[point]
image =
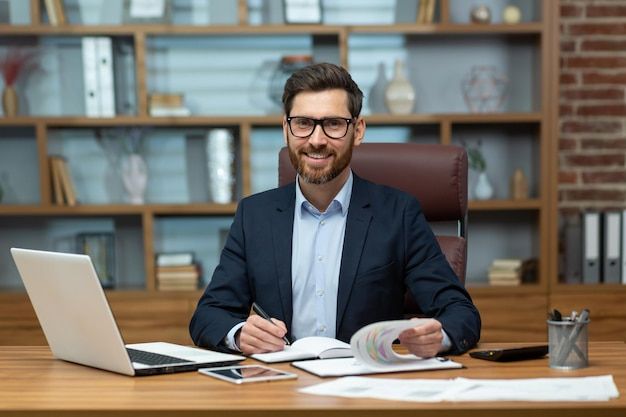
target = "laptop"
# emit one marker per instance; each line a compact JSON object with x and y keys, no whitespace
{"x":79,"y":326}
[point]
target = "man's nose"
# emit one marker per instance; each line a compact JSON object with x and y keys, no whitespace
{"x":318,"y":137}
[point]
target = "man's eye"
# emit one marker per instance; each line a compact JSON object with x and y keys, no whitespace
{"x":303,"y":123}
{"x":333,"y":123}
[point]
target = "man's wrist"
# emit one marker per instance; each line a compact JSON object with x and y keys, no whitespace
{"x":232,"y":337}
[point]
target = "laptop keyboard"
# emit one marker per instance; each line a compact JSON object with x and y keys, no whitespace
{"x":152,"y":359}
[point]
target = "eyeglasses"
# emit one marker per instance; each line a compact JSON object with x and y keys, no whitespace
{"x":333,"y":127}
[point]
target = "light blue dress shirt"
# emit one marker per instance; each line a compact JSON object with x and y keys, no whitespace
{"x":317,"y":247}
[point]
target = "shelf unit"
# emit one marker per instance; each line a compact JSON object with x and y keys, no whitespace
{"x":535,"y":117}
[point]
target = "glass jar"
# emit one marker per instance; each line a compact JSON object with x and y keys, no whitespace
{"x":287,"y":66}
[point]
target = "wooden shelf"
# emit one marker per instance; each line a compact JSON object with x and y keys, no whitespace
{"x":119,"y":210}
{"x":168,"y":29}
{"x":269,"y":120}
{"x":504,"y":205}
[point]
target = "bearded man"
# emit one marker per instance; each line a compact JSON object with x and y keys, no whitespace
{"x":331,"y":252}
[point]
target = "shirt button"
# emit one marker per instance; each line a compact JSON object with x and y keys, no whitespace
{"x":322,"y":329}
{"x":323,"y":222}
{"x":320,"y":258}
{"x":320,"y":292}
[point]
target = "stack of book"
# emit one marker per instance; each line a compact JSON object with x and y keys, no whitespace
{"x":177,"y":272}
{"x":63,"y":191}
{"x":505,"y":272}
{"x":161,"y":104}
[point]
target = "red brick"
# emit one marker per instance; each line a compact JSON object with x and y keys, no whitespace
{"x":570,"y":10}
{"x":567,"y":78}
{"x":602,"y":160}
{"x":612,"y":28}
{"x":615,"y":144}
{"x":591,"y":127}
{"x":567,"y":144}
{"x":603,"y":78}
{"x":566,"y":110}
{"x":591,"y":194}
{"x":602,"y":45}
{"x":602,"y":110}
{"x":568,"y":46}
{"x":568,"y":177}
{"x":606,"y":11}
{"x":607,"y":62}
{"x":593,"y":94}
{"x":601,"y":177}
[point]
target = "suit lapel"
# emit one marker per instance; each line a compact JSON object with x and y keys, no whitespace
{"x":357,"y":225}
{"x":282,"y":236}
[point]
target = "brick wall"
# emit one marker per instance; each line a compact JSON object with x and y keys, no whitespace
{"x":592,"y":144}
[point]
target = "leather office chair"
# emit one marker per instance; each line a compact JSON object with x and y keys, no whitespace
{"x":435,"y":174}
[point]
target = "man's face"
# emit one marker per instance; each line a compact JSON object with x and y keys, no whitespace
{"x":318,"y":158}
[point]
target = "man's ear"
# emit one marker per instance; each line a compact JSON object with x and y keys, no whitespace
{"x":359,"y":131}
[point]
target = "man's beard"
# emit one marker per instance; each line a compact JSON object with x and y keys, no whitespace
{"x":324,"y":175}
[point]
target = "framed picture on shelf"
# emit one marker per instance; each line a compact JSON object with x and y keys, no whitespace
{"x":303,"y":11}
{"x":147,"y":11}
{"x":100,"y":247}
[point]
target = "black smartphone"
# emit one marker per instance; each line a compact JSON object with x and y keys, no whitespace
{"x":511,"y":354}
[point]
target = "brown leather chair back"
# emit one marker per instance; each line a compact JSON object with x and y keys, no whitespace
{"x":435,"y":174}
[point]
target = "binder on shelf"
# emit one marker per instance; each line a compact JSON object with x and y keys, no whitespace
{"x":90,"y":76}
{"x":104,"y":51}
{"x":612,"y":263}
{"x":591,"y":248}
{"x":124,"y":77}
{"x":97,"y":54}
{"x":572,"y":266}
{"x":55,"y":176}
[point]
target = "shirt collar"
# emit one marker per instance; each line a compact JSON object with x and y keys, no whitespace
{"x":342,"y":198}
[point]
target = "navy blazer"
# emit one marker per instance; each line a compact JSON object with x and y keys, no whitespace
{"x":388,"y":246}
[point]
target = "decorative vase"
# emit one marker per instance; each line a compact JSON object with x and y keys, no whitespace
{"x":376,"y":96}
{"x":9,"y":101}
{"x":220,"y":160}
{"x":484,"y":189}
{"x":287,"y":66}
{"x":399,"y":94}
{"x":519,"y":185}
{"x":484,"y":89}
{"x":135,"y":178}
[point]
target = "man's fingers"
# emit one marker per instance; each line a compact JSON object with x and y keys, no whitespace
{"x":259,"y":335}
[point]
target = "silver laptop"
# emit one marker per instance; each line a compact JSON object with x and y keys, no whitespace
{"x":79,"y":325}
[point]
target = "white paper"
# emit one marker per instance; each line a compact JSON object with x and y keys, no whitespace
{"x":307,"y":347}
{"x":147,"y":9}
{"x":594,"y":388}
{"x":373,"y":344}
{"x":350,"y":366}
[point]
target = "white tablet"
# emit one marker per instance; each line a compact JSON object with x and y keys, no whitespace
{"x":240,"y":374}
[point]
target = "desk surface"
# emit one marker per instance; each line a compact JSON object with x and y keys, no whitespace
{"x":32,"y":383}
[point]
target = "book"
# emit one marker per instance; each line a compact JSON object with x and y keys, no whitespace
{"x":174,"y":259}
{"x":308,"y":348}
{"x":373,"y":351}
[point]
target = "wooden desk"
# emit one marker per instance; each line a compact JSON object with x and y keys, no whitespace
{"x":32,"y":383}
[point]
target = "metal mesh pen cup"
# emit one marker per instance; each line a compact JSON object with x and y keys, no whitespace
{"x":568,"y":341}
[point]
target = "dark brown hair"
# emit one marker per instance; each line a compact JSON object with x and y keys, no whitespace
{"x":320,"y":77}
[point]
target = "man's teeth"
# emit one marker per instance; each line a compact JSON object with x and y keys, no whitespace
{"x":317,"y":156}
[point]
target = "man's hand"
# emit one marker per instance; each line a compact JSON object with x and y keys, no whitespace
{"x":260,"y":336}
{"x":423,"y":340}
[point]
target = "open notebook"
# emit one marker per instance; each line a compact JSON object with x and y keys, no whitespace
{"x":308,"y":348}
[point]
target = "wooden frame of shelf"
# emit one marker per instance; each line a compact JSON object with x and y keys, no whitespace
{"x":534,"y":297}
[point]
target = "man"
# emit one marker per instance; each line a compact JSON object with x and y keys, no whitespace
{"x":330,"y":253}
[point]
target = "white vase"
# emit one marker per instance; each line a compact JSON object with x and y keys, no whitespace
{"x":484,"y":189}
{"x":220,"y":159}
{"x":135,"y":178}
{"x":399,"y":95}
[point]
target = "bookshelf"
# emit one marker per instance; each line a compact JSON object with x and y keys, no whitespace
{"x":166,"y":59}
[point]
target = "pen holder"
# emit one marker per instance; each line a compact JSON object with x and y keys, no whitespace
{"x":568,"y":342}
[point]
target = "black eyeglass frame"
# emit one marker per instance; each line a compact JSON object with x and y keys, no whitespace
{"x":321,"y":123}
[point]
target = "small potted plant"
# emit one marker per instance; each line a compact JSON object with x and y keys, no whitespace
{"x":483,"y":189}
{"x":13,"y":65}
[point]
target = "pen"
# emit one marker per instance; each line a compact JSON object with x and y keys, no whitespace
{"x":257,"y":309}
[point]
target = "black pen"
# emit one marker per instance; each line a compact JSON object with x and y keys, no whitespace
{"x":257,"y":309}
